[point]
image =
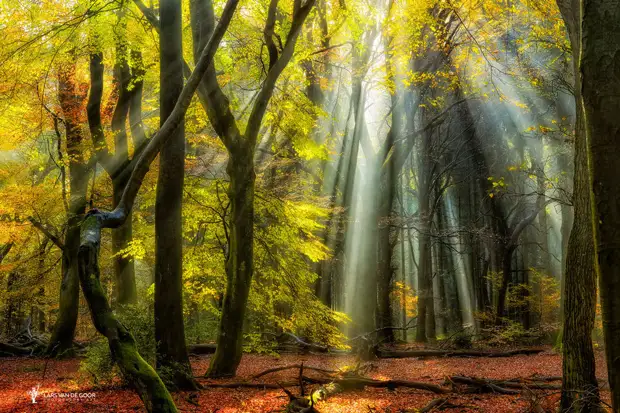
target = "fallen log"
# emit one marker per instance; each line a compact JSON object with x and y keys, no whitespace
{"x":476,"y":385}
{"x":10,"y":350}
{"x":294,"y":366}
{"x":436,"y":403}
{"x":526,"y":384}
{"x":247,"y":385}
{"x":201,"y":349}
{"x":382,"y":353}
{"x":349,"y":383}
{"x":343,"y":384}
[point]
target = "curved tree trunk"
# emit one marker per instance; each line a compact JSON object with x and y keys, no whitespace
{"x":138,"y":372}
{"x":241,"y":147}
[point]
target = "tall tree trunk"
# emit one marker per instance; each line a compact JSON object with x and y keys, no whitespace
{"x":579,"y":385}
{"x":239,"y":266}
{"x":71,"y":97}
{"x":122,"y":345}
{"x":241,"y":147}
{"x":500,"y":309}
{"x":172,"y":358}
{"x":426,"y":302}
{"x":426,"y":307}
{"x":124,"y":271}
{"x":600,"y":64}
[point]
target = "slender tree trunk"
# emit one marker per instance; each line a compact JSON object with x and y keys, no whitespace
{"x":600,"y":65}
{"x":426,"y":309}
{"x":71,"y":99}
{"x":124,"y":271}
{"x":500,"y":309}
{"x":239,"y":266}
{"x":126,"y":292}
{"x":172,"y":358}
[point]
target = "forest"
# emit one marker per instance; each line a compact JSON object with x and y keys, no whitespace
{"x":303,"y":206}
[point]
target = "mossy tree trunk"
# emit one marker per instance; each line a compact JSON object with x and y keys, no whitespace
{"x":172,"y":358}
{"x":579,"y":385}
{"x":600,"y":65}
{"x":122,"y":345}
{"x":134,"y":368}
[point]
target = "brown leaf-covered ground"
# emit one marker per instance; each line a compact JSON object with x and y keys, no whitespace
{"x":19,"y":375}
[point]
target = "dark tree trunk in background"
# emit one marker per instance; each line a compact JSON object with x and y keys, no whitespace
{"x":71,"y":98}
{"x":600,"y":65}
{"x":426,"y":303}
{"x":386,"y":243}
{"x":172,"y":358}
{"x":507,"y":253}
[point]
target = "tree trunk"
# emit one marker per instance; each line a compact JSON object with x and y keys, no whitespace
{"x":500,"y":309}
{"x":122,"y":236}
{"x":239,"y":265}
{"x":426,"y":309}
{"x":600,"y":64}
{"x":172,"y":358}
{"x":138,"y":372}
{"x":426,"y":305}
{"x":71,"y":98}
{"x":579,"y":384}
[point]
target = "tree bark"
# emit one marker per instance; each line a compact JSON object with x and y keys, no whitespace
{"x":137,"y":372}
{"x":600,"y":65}
{"x":172,"y":357}
{"x":123,"y":348}
{"x":71,"y":97}
{"x":579,"y":384}
{"x":241,"y":147}
{"x":239,"y":266}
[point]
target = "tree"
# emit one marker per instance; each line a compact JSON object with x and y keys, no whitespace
{"x":138,"y":373}
{"x":71,"y":96}
{"x":599,"y":64}
{"x":128,"y":89}
{"x":579,"y":384}
{"x":172,"y":355}
{"x":240,"y":168}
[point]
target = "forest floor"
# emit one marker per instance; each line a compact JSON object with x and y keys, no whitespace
{"x":19,"y":375}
